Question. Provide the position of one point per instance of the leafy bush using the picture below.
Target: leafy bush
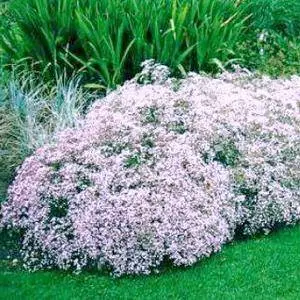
(127, 191)
(271, 43)
(281, 16)
(110, 38)
(271, 53)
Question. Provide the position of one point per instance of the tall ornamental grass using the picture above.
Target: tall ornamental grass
(109, 39)
(31, 113)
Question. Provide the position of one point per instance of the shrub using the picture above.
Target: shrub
(271, 43)
(271, 53)
(127, 191)
(281, 16)
(110, 38)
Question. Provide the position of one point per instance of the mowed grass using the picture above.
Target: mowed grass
(266, 267)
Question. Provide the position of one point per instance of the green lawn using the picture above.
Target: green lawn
(262, 268)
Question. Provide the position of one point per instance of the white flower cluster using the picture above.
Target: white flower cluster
(160, 172)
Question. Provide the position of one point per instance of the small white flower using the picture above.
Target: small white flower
(15, 262)
(261, 51)
(263, 36)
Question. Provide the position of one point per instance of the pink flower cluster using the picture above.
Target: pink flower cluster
(168, 170)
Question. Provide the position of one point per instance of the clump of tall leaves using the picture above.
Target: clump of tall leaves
(31, 114)
(109, 39)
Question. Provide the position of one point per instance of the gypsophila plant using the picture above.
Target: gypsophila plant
(216, 155)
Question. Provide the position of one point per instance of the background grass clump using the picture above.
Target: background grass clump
(110, 39)
(32, 113)
(107, 40)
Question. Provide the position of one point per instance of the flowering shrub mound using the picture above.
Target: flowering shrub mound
(162, 169)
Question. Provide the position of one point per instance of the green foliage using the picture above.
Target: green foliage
(56, 166)
(150, 115)
(147, 141)
(109, 39)
(250, 194)
(113, 148)
(291, 184)
(178, 127)
(226, 153)
(133, 161)
(281, 16)
(278, 55)
(40, 32)
(83, 182)
(58, 207)
(271, 43)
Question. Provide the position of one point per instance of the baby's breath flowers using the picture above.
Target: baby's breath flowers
(156, 172)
